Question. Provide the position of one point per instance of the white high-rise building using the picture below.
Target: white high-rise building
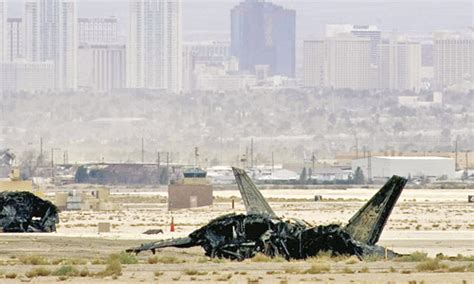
(97, 30)
(154, 55)
(3, 30)
(103, 66)
(15, 39)
(400, 65)
(453, 58)
(370, 32)
(51, 35)
(338, 62)
(32, 30)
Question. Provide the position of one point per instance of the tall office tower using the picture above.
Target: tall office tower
(154, 55)
(264, 34)
(399, 65)
(51, 35)
(363, 31)
(314, 63)
(97, 30)
(103, 66)
(339, 62)
(3, 30)
(453, 55)
(32, 30)
(15, 39)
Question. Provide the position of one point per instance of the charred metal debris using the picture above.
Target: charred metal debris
(25, 212)
(241, 236)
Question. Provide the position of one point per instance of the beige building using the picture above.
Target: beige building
(27, 76)
(338, 62)
(97, 30)
(453, 58)
(103, 66)
(399, 65)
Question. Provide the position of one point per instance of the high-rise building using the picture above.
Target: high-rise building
(32, 30)
(363, 31)
(97, 30)
(264, 34)
(3, 30)
(338, 62)
(51, 35)
(453, 55)
(15, 39)
(154, 54)
(103, 66)
(400, 65)
(314, 63)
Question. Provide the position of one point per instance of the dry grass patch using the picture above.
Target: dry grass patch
(364, 269)
(11, 275)
(66, 270)
(224, 277)
(416, 256)
(318, 268)
(165, 259)
(37, 272)
(194, 272)
(431, 265)
(33, 260)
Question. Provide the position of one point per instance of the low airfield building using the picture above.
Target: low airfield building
(385, 167)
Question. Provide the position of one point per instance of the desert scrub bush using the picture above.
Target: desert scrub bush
(124, 258)
(364, 269)
(11, 275)
(292, 270)
(416, 256)
(66, 270)
(39, 271)
(317, 268)
(352, 260)
(431, 265)
(347, 270)
(113, 268)
(260, 257)
(75, 261)
(165, 260)
(84, 272)
(33, 260)
(194, 272)
(158, 273)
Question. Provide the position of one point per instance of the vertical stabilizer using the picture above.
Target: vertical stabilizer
(367, 224)
(254, 201)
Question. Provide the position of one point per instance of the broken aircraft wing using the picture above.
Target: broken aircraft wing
(254, 201)
(367, 224)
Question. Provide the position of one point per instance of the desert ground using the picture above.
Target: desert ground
(434, 228)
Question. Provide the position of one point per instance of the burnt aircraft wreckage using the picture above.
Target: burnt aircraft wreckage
(241, 236)
(25, 212)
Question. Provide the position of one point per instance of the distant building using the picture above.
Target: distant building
(51, 35)
(453, 59)
(339, 62)
(103, 66)
(27, 76)
(154, 55)
(399, 65)
(194, 190)
(216, 78)
(3, 29)
(97, 30)
(15, 39)
(385, 167)
(264, 34)
(363, 31)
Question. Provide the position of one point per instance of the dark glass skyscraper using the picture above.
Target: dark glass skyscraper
(264, 34)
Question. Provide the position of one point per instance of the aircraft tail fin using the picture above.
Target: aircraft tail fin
(254, 201)
(367, 224)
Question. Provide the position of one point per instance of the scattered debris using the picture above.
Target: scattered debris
(241, 236)
(153, 232)
(25, 212)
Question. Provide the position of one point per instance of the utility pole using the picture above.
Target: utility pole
(456, 167)
(313, 161)
(273, 163)
(251, 152)
(369, 167)
(143, 151)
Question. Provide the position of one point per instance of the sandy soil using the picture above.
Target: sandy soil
(424, 220)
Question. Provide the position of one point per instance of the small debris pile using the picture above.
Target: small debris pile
(25, 212)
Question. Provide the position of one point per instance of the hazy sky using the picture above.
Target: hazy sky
(212, 17)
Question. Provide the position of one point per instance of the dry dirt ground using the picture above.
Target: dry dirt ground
(429, 221)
